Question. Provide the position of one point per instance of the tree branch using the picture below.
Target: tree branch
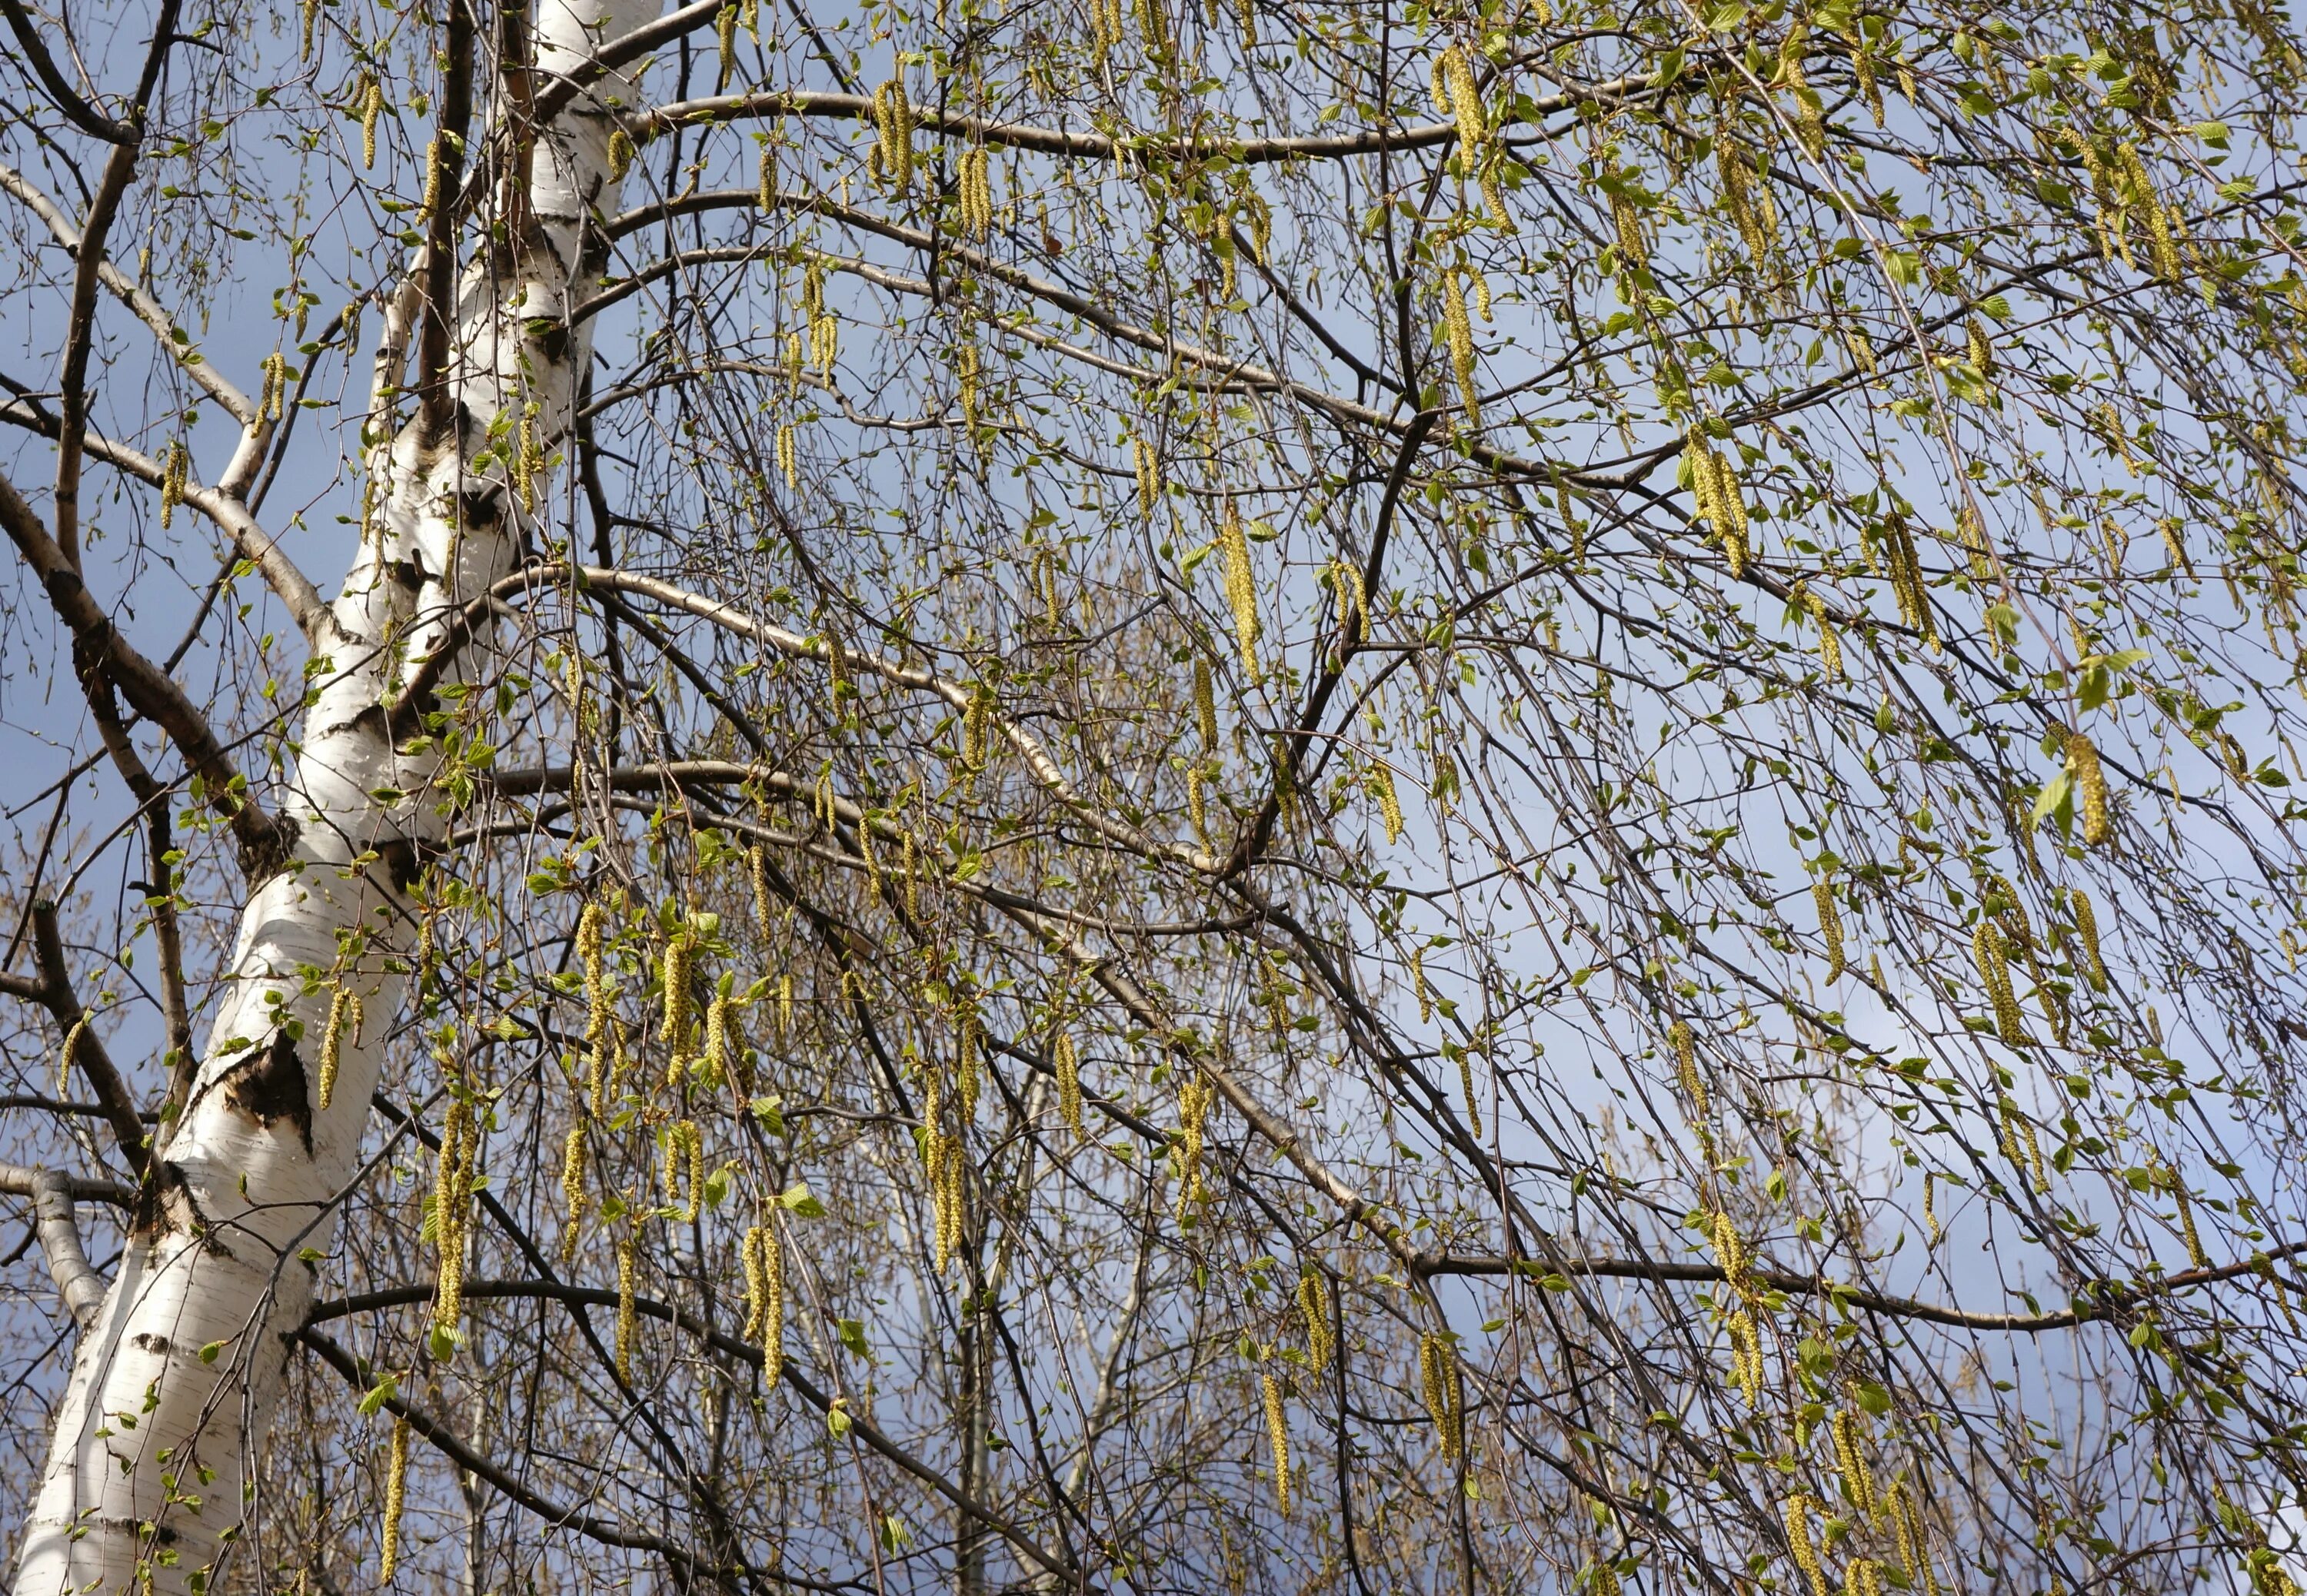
(154, 693)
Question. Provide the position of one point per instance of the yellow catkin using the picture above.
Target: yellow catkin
(684, 1166)
(1458, 334)
(1241, 585)
(1930, 1208)
(1797, 1510)
(1829, 926)
(2089, 779)
(1729, 1251)
(573, 1190)
(1194, 1093)
(1277, 1435)
(679, 1000)
(1437, 1371)
(1389, 804)
(1684, 1041)
(1745, 1354)
(629, 1321)
(1913, 1540)
(370, 98)
(2086, 932)
(1455, 78)
(1197, 806)
(1466, 1084)
(1829, 645)
(2021, 1144)
(765, 1311)
(1149, 476)
(788, 457)
(1750, 210)
(1907, 583)
(620, 153)
(1205, 706)
(1714, 489)
(1988, 951)
(396, 1498)
(718, 1064)
(1314, 1308)
(758, 859)
(431, 202)
(2162, 244)
(1418, 984)
(965, 378)
(345, 1020)
(172, 483)
(1069, 1092)
(451, 1192)
(1863, 1576)
(1850, 1457)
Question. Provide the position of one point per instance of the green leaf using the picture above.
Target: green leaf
(2053, 794)
(378, 1395)
(796, 1199)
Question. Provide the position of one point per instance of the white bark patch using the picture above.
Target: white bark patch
(171, 1391)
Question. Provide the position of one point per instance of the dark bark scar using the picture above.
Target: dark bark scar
(271, 1087)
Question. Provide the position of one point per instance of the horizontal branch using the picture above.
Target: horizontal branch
(1095, 146)
(2114, 1297)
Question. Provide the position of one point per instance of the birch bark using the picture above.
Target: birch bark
(150, 1470)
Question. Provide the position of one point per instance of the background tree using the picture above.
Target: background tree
(1314, 797)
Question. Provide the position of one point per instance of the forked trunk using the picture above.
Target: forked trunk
(150, 1467)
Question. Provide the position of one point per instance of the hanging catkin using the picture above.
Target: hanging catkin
(1992, 956)
(1069, 1091)
(1389, 805)
(1797, 1511)
(1829, 646)
(1850, 1457)
(451, 1194)
(1437, 1372)
(1830, 926)
(1913, 1540)
(1194, 1092)
(370, 98)
(1314, 1308)
(573, 1190)
(2086, 931)
(344, 1021)
(396, 1498)
(628, 1314)
(1457, 95)
(1458, 334)
(1751, 211)
(1684, 1041)
(1277, 1435)
(2089, 779)
(765, 1310)
(1149, 476)
(1241, 585)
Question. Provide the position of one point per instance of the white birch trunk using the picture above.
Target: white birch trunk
(150, 1464)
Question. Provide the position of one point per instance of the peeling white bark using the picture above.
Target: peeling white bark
(150, 1464)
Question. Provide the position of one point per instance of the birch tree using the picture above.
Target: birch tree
(1357, 796)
